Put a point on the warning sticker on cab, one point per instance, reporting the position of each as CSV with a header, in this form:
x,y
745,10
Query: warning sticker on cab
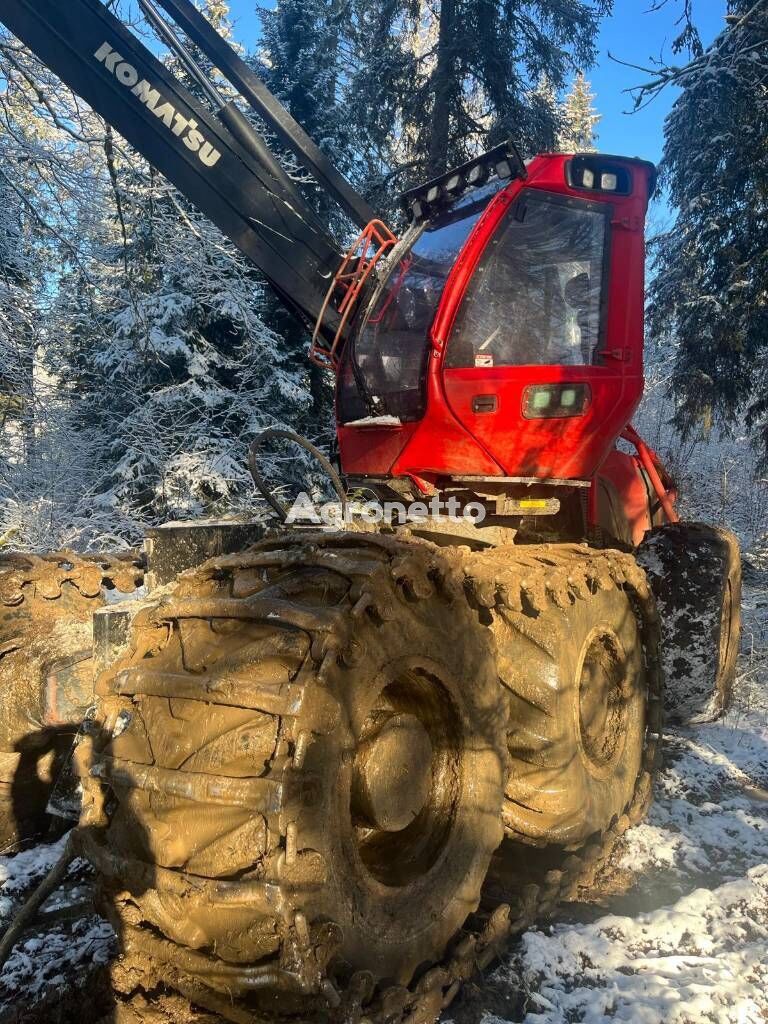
x,y
483,359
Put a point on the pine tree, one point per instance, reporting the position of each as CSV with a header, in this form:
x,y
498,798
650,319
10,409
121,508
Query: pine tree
x,y
709,286
580,118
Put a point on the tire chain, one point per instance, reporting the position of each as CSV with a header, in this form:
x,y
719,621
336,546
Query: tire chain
x,y
46,574
560,573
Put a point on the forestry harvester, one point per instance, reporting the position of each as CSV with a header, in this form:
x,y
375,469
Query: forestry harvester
x,y
326,773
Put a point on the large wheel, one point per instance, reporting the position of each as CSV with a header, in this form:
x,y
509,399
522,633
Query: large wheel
x,y
573,658
695,573
46,605
309,770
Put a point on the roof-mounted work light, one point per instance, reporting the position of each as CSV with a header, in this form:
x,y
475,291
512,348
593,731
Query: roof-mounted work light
x,y
503,162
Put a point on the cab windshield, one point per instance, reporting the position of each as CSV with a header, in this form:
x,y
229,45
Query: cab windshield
x,y
384,369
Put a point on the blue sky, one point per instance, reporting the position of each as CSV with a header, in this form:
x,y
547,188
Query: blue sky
x,y
637,35
634,34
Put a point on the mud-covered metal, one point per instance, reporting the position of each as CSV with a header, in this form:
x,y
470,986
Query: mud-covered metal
x,y
175,547
46,608
218,855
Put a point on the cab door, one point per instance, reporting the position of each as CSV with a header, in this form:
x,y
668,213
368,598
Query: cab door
x,y
534,367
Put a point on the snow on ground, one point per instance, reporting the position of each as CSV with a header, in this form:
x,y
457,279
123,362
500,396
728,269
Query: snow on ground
x,y
41,966
699,952
25,869
60,955
709,817
703,958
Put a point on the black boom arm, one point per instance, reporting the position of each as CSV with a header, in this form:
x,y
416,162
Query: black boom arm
x,y
249,199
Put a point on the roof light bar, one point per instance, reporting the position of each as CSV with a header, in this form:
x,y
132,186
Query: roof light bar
x,y
503,161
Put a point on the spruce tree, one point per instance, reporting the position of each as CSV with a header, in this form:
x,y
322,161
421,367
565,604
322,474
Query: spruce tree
x,y
301,61
422,109
711,268
172,362
150,345
580,118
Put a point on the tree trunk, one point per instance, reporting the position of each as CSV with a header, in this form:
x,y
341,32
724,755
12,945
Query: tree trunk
x,y
441,86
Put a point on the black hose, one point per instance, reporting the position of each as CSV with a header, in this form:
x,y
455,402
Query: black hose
x,y
289,435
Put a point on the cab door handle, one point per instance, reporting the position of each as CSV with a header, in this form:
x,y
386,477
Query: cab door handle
x,y
622,355
485,403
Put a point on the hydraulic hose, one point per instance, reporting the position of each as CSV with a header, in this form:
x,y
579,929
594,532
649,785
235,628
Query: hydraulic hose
x,y
289,435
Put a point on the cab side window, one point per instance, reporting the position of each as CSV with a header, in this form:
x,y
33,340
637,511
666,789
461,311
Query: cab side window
x,y
537,295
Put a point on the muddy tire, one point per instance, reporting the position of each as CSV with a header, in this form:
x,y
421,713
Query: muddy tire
x,y
309,772
46,604
695,573
575,668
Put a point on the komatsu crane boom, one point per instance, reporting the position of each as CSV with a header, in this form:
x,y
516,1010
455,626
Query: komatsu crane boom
x,y
208,150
